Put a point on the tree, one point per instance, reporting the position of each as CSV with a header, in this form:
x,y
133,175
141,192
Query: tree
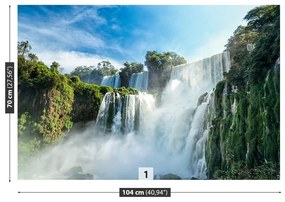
x,y
237,45
262,17
92,74
23,48
83,72
33,57
127,71
107,68
265,20
54,67
262,30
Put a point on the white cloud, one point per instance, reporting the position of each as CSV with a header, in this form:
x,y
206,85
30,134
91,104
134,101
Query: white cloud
x,y
115,27
72,59
79,14
60,36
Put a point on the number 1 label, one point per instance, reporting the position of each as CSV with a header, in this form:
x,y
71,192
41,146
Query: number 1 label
x,y
145,173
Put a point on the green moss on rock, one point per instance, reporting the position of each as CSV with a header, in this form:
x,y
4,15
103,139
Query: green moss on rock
x,y
244,142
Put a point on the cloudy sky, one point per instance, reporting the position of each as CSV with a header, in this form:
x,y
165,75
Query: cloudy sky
x,y
86,35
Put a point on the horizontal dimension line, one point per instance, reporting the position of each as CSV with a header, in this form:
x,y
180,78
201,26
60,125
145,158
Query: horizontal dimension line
x,y
67,192
174,192
226,192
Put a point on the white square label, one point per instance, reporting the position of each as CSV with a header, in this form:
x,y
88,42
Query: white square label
x,y
145,173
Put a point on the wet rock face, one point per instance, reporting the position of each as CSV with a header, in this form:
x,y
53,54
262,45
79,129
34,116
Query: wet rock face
x,y
170,176
76,173
244,137
202,98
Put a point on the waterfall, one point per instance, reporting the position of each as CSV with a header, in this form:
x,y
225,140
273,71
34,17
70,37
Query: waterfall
x,y
133,131
113,81
208,71
106,112
122,115
177,129
129,113
197,136
139,81
117,120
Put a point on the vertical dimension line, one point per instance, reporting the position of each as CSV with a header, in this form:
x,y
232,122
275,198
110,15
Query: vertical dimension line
x,y
9,114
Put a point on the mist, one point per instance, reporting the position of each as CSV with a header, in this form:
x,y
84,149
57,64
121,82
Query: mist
x,y
105,157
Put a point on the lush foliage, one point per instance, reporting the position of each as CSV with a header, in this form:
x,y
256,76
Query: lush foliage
x,y
244,140
83,72
126,91
262,31
92,74
50,103
24,48
87,100
159,66
47,97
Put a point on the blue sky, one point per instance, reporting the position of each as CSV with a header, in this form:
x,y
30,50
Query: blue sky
x,y
86,35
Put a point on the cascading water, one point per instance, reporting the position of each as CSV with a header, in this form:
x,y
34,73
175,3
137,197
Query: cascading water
x,y
139,81
113,81
136,132
203,74
121,115
196,139
177,129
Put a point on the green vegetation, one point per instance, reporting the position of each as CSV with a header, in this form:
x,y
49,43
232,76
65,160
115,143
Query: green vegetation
x,y
263,30
126,91
46,96
244,141
239,170
24,48
87,100
158,64
92,74
50,103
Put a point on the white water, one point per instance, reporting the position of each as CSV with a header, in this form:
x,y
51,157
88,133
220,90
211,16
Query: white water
x,y
139,81
169,137
113,81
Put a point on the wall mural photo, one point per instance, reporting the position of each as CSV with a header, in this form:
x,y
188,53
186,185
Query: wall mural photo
x,y
188,91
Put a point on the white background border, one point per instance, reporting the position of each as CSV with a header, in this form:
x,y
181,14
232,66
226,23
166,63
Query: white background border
x,y
9,190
